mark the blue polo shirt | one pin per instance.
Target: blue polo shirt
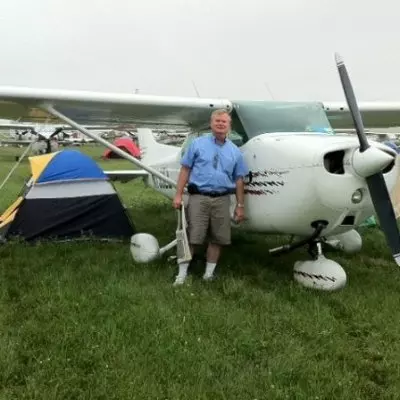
(215, 167)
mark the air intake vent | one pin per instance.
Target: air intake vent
(348, 220)
(333, 162)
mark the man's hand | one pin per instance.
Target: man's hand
(177, 202)
(182, 180)
(239, 214)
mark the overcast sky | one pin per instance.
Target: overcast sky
(230, 49)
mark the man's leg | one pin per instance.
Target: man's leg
(220, 233)
(213, 253)
(198, 210)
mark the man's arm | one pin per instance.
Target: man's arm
(182, 179)
(240, 192)
(186, 166)
(241, 171)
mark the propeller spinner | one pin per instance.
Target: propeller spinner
(376, 182)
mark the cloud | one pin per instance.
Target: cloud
(230, 49)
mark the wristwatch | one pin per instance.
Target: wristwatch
(240, 205)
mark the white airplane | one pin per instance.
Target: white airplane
(45, 127)
(304, 181)
(44, 131)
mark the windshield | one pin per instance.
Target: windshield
(252, 118)
(259, 117)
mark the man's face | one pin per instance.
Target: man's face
(220, 125)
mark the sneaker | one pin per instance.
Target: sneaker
(208, 278)
(179, 280)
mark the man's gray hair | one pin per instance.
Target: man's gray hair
(220, 111)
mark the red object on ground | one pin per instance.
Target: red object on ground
(126, 145)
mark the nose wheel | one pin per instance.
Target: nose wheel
(315, 249)
(320, 272)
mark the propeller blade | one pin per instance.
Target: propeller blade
(56, 132)
(384, 210)
(376, 182)
(352, 103)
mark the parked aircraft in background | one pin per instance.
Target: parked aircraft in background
(305, 180)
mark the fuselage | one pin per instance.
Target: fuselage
(296, 179)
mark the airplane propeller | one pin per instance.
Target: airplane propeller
(376, 182)
(46, 137)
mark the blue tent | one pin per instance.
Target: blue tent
(66, 165)
(68, 196)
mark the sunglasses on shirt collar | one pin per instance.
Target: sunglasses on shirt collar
(215, 161)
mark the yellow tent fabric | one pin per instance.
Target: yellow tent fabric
(10, 213)
(9, 219)
(39, 163)
(11, 209)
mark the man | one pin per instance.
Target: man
(214, 168)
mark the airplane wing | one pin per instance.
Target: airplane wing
(16, 125)
(375, 114)
(88, 108)
(369, 132)
(126, 175)
(19, 142)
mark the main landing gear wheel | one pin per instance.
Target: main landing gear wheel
(319, 272)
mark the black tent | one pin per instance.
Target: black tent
(67, 197)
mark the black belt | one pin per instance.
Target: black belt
(213, 194)
(192, 189)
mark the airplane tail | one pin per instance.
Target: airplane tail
(153, 152)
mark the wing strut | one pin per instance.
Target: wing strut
(104, 142)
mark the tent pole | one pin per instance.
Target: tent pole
(16, 165)
(104, 142)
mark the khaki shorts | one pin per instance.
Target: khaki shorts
(209, 216)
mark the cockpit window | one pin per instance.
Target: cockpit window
(253, 118)
(258, 117)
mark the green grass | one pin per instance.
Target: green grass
(82, 321)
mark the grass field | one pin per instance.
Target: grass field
(82, 321)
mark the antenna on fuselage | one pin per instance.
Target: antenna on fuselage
(269, 90)
(195, 88)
